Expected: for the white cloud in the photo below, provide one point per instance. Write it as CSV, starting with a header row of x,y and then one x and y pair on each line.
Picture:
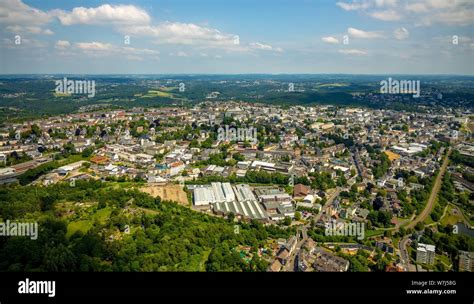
x,y
25,42
356,33
99,49
330,39
458,17
366,4
424,12
21,18
177,33
355,5
181,33
179,54
401,33
382,3
94,46
264,47
104,14
416,7
354,52
260,46
387,15
18,29
442,4
16,12
62,44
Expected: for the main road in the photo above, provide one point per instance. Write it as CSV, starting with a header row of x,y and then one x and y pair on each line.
x,y
402,244
434,193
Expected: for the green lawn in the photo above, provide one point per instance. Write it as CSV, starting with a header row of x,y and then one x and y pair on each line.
x,y
428,220
450,218
156,93
83,226
370,233
102,215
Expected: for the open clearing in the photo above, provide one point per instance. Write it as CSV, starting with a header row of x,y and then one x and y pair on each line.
x,y
82,226
155,93
170,192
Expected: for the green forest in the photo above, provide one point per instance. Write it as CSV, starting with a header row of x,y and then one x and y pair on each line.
x,y
101,226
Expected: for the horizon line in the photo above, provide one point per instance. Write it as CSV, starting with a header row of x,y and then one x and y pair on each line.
x,y
232,74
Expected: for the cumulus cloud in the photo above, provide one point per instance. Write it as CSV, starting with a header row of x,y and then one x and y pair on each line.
x,y
177,33
25,42
264,47
458,17
366,4
181,33
104,14
416,7
261,46
354,52
387,15
100,49
426,12
355,5
94,46
16,12
179,54
20,18
18,29
356,33
330,39
62,44
382,3
401,33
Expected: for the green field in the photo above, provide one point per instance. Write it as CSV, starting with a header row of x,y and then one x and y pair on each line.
x,y
428,220
156,93
332,85
450,218
61,94
102,215
82,226
371,233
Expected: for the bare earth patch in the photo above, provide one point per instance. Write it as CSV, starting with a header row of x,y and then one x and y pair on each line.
x,y
170,192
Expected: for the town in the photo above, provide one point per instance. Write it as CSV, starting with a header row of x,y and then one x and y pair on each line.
x,y
385,181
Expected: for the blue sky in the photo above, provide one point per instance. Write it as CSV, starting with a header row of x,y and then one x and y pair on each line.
x,y
237,36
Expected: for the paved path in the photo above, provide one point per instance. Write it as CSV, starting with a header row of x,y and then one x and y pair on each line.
x,y
434,193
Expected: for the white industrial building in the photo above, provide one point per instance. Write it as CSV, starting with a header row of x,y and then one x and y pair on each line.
x,y
215,193
226,199
228,192
409,149
218,192
248,209
204,196
244,193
